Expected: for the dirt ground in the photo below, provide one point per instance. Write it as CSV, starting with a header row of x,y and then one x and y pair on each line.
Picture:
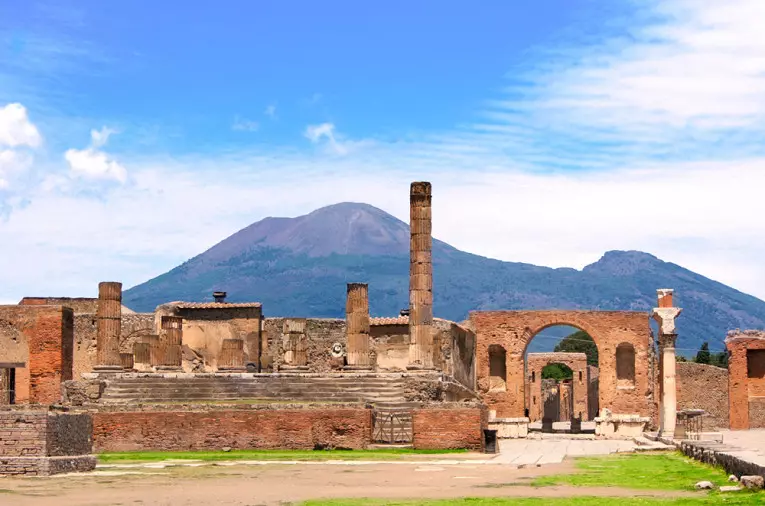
x,y
280,483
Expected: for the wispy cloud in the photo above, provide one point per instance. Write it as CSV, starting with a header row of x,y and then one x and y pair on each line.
x,y
325,131
270,111
17,135
245,125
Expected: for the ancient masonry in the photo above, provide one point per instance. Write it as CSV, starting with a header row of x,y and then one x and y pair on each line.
x,y
357,326
665,316
108,319
420,277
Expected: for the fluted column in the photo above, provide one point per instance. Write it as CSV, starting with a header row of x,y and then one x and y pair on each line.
x,y
170,339
665,316
420,277
357,326
108,327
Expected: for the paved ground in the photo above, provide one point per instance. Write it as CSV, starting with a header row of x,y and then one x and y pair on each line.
x,y
552,451
753,440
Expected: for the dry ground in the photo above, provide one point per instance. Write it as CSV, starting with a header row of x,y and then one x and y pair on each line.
x,y
279,484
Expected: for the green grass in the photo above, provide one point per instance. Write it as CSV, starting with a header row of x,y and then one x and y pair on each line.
x,y
735,499
667,471
381,454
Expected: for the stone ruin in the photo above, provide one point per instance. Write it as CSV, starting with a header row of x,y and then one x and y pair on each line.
x,y
195,375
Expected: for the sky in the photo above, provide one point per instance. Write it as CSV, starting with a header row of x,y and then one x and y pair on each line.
x,y
135,135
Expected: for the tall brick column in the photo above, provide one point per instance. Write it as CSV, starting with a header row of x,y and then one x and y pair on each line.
x,y
665,316
357,326
420,277
108,327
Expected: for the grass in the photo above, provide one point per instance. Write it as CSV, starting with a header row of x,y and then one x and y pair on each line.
x,y
739,499
212,456
666,471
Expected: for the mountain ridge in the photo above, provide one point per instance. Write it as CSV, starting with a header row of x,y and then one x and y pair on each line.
x,y
299,267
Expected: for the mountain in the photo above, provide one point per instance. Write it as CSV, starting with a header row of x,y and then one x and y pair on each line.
x,y
300,266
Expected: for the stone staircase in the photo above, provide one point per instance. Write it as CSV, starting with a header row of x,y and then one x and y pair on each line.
x,y
383,392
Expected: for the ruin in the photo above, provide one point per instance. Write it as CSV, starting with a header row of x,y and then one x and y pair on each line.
x,y
202,375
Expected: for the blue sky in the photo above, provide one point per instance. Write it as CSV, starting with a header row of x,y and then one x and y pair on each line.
x,y
136,134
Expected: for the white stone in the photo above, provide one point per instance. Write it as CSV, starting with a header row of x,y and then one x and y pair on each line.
x,y
730,489
704,485
754,482
732,478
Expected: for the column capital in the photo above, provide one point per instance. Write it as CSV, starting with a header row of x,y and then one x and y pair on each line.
x,y
665,317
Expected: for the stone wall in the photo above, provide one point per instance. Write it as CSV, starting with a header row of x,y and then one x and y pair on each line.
x,y
240,429
320,334
513,330
44,443
593,383
449,428
40,337
745,376
577,362
702,386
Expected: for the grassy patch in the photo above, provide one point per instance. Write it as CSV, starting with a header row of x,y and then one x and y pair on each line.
x,y
737,499
667,471
381,454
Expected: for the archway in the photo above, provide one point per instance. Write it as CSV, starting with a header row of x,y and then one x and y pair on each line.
x,y
514,330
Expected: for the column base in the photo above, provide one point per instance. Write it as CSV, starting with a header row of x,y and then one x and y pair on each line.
x,y
232,369
418,367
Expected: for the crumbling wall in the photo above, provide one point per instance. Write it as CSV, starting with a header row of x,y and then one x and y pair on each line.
x,y
390,346
702,386
320,334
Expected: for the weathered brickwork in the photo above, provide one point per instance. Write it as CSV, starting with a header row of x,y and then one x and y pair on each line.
x,y
43,443
239,429
577,362
40,337
513,330
746,375
702,386
448,428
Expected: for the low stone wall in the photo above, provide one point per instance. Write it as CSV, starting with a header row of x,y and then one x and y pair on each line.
x,y
446,428
42,443
702,386
734,460
239,429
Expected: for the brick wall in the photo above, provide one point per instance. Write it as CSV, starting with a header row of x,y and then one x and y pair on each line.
x,y
740,402
240,429
24,433
702,386
435,428
44,336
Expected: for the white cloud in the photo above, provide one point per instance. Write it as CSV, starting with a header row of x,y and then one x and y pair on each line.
x,y
245,125
315,133
91,163
99,138
270,111
15,128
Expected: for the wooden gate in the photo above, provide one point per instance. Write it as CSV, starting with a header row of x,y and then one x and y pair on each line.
x,y
391,426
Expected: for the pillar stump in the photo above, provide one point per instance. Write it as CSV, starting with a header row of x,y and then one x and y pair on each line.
x,y
170,338
420,277
295,346
108,327
231,355
357,327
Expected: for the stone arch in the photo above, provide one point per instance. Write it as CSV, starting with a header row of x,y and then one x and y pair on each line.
x,y
513,330
577,362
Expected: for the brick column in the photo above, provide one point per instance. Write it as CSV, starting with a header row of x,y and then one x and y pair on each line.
x,y
357,326
108,327
420,277
170,339
665,316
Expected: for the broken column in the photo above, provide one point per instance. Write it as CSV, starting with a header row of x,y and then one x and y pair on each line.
x,y
170,338
108,327
420,277
231,355
294,344
357,326
665,316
